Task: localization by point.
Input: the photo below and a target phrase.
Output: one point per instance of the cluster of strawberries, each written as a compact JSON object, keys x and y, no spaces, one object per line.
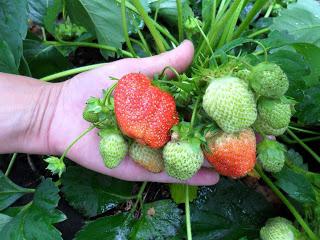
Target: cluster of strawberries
{"x":142,"y":120}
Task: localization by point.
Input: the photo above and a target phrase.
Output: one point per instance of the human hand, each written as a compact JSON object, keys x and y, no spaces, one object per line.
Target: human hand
{"x":67,"y":122}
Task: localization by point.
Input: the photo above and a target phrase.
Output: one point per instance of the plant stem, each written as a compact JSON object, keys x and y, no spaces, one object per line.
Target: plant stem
{"x":165,"y":32}
{"x":290,"y":141}
{"x":194,"y":113}
{"x":252,"y":13}
{"x":154,"y":32}
{"x":294,"y":212}
{"x":187,"y":210}
{"x":75,"y":141}
{"x":304,"y":131}
{"x":70,"y":72}
{"x":139,"y":196}
{"x":261,"y":31}
{"x":13,"y":159}
{"x":180,"y":23}
{"x":87,"y":44}
{"x":305,"y":146}
{"x":125,"y":28}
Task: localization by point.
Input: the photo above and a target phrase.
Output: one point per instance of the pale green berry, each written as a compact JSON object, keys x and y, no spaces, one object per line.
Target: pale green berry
{"x":182,"y":159}
{"x":275,"y":112}
{"x":279,"y":228}
{"x":271,"y":155}
{"x":149,"y":158}
{"x":264,"y":128}
{"x":268,"y":79}
{"x":113,"y":148}
{"x":230,"y":103}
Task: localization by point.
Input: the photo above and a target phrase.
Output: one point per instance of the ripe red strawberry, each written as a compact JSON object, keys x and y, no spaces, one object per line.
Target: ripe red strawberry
{"x":143,"y":111}
{"x":232,"y":155}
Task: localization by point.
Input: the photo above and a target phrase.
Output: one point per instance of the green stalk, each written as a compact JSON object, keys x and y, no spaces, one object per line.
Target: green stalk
{"x":194,"y":113}
{"x":252,"y":13}
{"x":290,"y":141}
{"x":143,"y":47}
{"x":70,"y":72}
{"x":257,"y":33}
{"x":180,"y":22}
{"x":87,"y":44}
{"x":227,"y":33}
{"x":304,"y":130}
{"x":12,"y":160}
{"x":75,"y":141}
{"x":125,"y":27}
{"x":165,"y":32}
{"x":187,"y":210}
{"x":305,"y":146}
{"x":215,"y":31}
{"x":148,"y":21}
{"x":292,"y":209}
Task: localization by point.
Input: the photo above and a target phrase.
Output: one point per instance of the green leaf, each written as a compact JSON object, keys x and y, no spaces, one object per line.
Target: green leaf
{"x":92,"y":193}
{"x":158,"y":220}
{"x":48,"y":57}
{"x":107,"y":228}
{"x":7,"y":62}
{"x":167,"y":10}
{"x":102,"y":19}
{"x":295,"y":185}
{"x":228,"y":211}
{"x":50,"y":16}
{"x":38,"y":9}
{"x":10,"y":192}
{"x":296,"y":159}
{"x":4,"y":219}
{"x":301,"y":20}
{"x":36,"y":219}
{"x":178,"y":192}
{"x":309,"y":108}
{"x":14,"y":25}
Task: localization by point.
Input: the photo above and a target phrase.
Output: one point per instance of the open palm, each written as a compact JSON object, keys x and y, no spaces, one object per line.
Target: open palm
{"x":68,"y":124}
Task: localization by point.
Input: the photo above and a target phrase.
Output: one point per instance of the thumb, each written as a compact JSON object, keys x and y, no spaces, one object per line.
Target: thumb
{"x":179,"y":58}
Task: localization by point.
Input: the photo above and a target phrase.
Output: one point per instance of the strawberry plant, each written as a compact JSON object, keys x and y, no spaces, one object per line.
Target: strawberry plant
{"x":246,"y":107}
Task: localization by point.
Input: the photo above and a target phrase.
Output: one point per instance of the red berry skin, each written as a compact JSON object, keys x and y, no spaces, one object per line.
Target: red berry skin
{"x":143,"y":111}
{"x":232,"y":155}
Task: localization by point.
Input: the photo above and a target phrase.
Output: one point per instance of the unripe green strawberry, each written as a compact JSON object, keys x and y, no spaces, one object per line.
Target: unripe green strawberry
{"x":268,"y":79}
{"x":264,"y":128}
{"x":90,"y":116}
{"x":243,"y":74}
{"x":275,"y":112}
{"x":182,"y":159}
{"x":149,"y":158}
{"x":271,"y":155}
{"x":230,"y":103}
{"x":113,"y":148}
{"x":279,"y":228}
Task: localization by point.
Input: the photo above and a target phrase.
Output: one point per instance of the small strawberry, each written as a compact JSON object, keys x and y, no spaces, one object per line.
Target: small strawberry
{"x":232,"y":155}
{"x":149,"y":158}
{"x":182,"y":159}
{"x":230,"y":103}
{"x":264,"y":128}
{"x":113,"y":147}
{"x":275,"y":112}
{"x":143,"y":111}
{"x":268,"y":79}
{"x":271,"y":155}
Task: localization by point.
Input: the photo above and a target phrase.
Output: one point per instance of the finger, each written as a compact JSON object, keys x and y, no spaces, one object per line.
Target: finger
{"x":179,"y":58}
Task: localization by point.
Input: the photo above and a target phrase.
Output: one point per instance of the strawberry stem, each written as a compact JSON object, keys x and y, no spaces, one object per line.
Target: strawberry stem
{"x":187,"y":210}
{"x":75,"y":141}
{"x":305,"y":146}
{"x":70,"y":72}
{"x":154,"y":32}
{"x":180,"y":23}
{"x":304,"y":130}
{"x":88,"y":44}
{"x":125,"y":28}
{"x":12,"y":160}
{"x":292,"y":209}
{"x":194,"y":113}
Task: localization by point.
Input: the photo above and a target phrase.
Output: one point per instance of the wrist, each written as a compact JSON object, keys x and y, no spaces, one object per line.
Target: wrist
{"x":27,"y":107}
